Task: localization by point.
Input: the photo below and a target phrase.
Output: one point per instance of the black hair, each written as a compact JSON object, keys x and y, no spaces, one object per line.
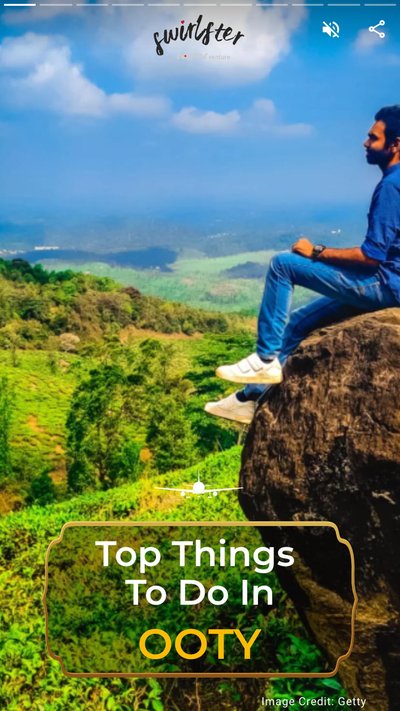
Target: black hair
{"x":390,"y":115}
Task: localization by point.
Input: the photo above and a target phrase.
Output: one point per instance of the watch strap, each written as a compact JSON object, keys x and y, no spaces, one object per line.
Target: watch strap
{"x":317,"y":250}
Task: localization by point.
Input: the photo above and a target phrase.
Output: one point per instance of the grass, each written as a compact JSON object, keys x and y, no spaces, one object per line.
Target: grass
{"x":40,"y":403}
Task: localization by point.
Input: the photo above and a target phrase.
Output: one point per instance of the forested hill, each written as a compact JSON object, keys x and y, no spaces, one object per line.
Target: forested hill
{"x":100,"y":385}
{"x":36,"y":305}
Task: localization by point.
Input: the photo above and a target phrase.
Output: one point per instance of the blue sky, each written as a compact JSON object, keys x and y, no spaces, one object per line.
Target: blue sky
{"x":92,"y":118}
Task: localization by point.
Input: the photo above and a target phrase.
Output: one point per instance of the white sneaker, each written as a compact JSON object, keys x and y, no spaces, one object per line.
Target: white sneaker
{"x":251,"y":370}
{"x":232,"y":409}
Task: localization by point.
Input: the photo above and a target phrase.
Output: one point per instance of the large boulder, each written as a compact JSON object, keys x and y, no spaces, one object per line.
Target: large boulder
{"x":325,"y":445}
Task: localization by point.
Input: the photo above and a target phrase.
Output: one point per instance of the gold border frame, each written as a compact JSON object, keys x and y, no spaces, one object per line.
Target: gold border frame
{"x":204,"y":675}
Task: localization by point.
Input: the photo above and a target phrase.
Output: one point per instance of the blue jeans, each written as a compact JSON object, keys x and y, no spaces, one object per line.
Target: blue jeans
{"x":347,"y":291}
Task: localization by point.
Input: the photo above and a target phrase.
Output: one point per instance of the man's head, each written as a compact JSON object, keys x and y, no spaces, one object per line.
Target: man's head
{"x":383,"y":142}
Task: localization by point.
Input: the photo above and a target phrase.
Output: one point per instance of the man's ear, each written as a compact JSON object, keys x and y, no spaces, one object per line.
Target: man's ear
{"x":396,"y":145}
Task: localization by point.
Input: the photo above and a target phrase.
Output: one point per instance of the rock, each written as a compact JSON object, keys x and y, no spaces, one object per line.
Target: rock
{"x":325,"y":445}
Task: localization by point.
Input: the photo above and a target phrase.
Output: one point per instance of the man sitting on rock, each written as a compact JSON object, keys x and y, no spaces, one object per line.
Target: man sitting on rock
{"x":352,"y":280}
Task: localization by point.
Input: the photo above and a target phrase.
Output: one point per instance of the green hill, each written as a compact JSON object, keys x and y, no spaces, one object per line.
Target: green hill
{"x":67,"y":337}
{"x":38,"y":306}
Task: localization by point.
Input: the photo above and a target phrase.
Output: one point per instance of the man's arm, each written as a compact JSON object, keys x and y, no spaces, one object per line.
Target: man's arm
{"x":347,"y":255}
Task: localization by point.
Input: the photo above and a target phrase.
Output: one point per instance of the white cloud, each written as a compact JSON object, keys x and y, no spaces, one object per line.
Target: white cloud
{"x":260,"y":117}
{"x":267,"y":30}
{"x":263,"y":116}
{"x":267,"y":39}
{"x":264,"y":108}
{"x":38,"y":71}
{"x":366,"y":41}
{"x":193,"y":120}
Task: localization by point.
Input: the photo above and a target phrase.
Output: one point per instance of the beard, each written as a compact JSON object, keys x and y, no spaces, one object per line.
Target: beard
{"x":381,"y":157}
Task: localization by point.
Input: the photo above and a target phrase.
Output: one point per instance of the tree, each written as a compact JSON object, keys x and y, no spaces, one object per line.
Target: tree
{"x":41,"y":490}
{"x":6,"y":411}
{"x":124,"y":461}
{"x":80,"y":474}
{"x":98,"y":441}
{"x":170,"y":435}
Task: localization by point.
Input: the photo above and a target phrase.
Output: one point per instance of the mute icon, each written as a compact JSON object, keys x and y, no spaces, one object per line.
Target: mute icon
{"x":331,"y":29}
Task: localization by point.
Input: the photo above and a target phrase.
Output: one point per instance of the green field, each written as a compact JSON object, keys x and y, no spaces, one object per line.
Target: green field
{"x":197,"y":281}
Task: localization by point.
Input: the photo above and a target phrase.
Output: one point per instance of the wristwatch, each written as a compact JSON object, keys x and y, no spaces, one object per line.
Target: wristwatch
{"x":317,"y":250}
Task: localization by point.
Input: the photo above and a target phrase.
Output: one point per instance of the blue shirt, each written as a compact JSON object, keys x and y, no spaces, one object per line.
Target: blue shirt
{"x":382,"y":241}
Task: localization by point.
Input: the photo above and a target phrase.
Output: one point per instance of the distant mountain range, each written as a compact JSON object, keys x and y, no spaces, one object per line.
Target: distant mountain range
{"x":211,"y":232}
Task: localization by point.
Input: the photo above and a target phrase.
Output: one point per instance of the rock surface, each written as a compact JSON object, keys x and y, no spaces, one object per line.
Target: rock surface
{"x":325,"y":445}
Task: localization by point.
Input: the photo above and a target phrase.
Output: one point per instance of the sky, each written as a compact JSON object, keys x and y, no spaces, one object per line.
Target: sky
{"x":91,"y":118}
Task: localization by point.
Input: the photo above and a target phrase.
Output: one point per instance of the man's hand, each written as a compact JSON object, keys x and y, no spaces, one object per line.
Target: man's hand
{"x":304,"y":247}
{"x":331,"y":255}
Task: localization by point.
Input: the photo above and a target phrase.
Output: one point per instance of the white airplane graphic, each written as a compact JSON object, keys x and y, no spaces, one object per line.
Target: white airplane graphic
{"x":197,"y":488}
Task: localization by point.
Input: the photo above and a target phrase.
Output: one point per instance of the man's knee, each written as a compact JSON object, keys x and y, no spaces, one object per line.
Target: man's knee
{"x":282,"y":260}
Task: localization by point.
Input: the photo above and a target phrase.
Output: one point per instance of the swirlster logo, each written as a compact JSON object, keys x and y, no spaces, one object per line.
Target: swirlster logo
{"x":195,"y":30}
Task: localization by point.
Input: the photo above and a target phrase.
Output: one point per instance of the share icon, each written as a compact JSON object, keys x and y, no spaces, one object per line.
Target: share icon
{"x":374,"y":28}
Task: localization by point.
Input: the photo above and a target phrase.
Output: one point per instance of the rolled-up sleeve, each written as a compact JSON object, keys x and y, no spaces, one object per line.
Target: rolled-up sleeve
{"x":383,"y":222}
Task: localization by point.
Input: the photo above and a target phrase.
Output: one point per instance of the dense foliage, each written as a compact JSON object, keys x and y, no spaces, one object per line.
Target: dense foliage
{"x":82,"y":416}
{"x":39,"y":306}
{"x":31,"y":679}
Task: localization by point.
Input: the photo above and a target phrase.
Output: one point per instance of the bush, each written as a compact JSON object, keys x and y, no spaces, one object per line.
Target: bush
{"x":42,"y":490}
